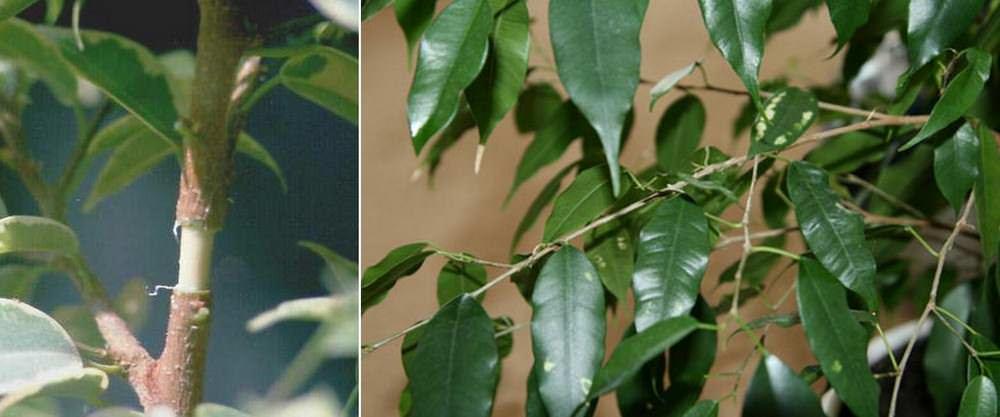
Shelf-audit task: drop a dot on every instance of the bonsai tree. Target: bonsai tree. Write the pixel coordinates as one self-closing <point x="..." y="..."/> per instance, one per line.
<point x="147" y="109"/>
<point x="894" y="190"/>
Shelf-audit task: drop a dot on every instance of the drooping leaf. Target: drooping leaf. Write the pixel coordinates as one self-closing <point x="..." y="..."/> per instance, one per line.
<point x="343" y="270"/>
<point x="457" y="363"/>
<point x="34" y="349"/>
<point x="596" y="46"/>
<point x="904" y="180"/>
<point x="787" y="14"/>
<point x="84" y="383"/>
<point x="847" y="152"/>
<point x="833" y="233"/>
<point x="539" y="203"/>
<point x="690" y="361"/>
<point x="736" y="27"/>
<point x="217" y="410"/>
<point x="934" y="24"/>
<point x="29" y="49"/>
<point x="10" y="8"/>
<point x="549" y="144"/>
<point x="668" y="82"/>
<point x="786" y="116"/>
<point x="704" y="408"/>
<point x="371" y="8"/>
<point x="130" y="160"/>
<point x="836" y="338"/>
<point x="776" y="390"/>
<point x="378" y="279"/>
<point x="979" y="399"/>
<point x="611" y="249"/>
<point x="958" y="96"/>
<point x="945" y="358"/>
<point x="36" y="234"/>
<point x="534" y="105"/>
<point x="988" y="194"/>
<point x="493" y="93"/>
<point x="457" y="278"/>
<point x="671" y="258"/>
<point x="847" y="17"/>
<point x="642" y="392"/>
<point x="533" y="406"/>
<point x="249" y="146"/>
<point x="956" y="165"/>
<point x="314" y="309"/>
<point x="679" y="133"/>
<point x="413" y="17"/>
<point x="589" y="195"/>
<point x="634" y="351"/>
<point x="126" y="71"/>
<point x="452" y="53"/>
<point x="327" y="77"/>
<point x="567" y="328"/>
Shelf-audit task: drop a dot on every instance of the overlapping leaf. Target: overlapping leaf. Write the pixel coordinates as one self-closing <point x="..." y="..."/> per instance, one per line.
<point x="786" y="116"/>
<point x="958" y="96"/>
<point x="496" y="89"/>
<point x="589" y="195"/>
<point x="549" y="144"/>
<point x="413" y="17"/>
<point x="945" y="357"/>
<point x="36" y="234"/>
<point x="847" y="17"/>
<point x="934" y="24"/>
<point x="32" y="51"/>
<point x="610" y="247"/>
<point x="327" y="77"/>
<point x="679" y="133"/>
<point x="736" y="27"/>
<point x="956" y="165"/>
<point x="457" y="278"/>
<point x="378" y="279"/>
<point x="988" y="194"/>
<point x="776" y="390"/>
<point x="10" y="8"/>
<point x="979" y="399"/>
<point x="667" y="83"/>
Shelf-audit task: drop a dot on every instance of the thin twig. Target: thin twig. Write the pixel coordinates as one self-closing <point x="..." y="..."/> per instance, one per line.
<point x="747" y="246"/>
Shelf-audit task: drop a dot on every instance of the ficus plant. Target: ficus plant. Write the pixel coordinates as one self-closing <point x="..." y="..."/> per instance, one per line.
<point x="142" y="110"/>
<point x="891" y="198"/>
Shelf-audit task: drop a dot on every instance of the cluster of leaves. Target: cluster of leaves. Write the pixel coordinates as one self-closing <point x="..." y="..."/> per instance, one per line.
<point x="858" y="200"/>
<point x="62" y="354"/>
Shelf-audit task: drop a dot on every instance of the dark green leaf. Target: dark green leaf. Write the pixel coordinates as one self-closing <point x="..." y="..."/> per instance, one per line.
<point x="452" y="53"/>
<point x="956" y="165"/>
<point x="704" y="408"/>
<point x="679" y="133"/>
<point x="18" y="281"/>
<point x="538" y="204"/>
<point x="958" y="96"/>
<point x="36" y="234"/>
<point x="249" y="146"/>
<point x="847" y="17"/>
<point x="378" y="279"/>
<point x="668" y="82"/>
<point x="640" y="393"/>
<point x="327" y="77"/>
<point x="456" y="363"/>
<point x="10" y="8"/>
<point x="130" y="160"/>
<point x="505" y="337"/>
<point x="836" y="339"/>
<point x="737" y="29"/>
<point x="567" y="329"/>
<point x="671" y="258"/>
<point x="906" y="180"/>
<point x="533" y="406"/>
<point x="690" y="362"/>
<point x="634" y="351"/>
<point x="787" y="14"/>
<point x="30" y="50"/>
<point x="496" y="89"/>
<point x="457" y="278"/>
<point x="610" y="247"/>
<point x="988" y="194"/>
<point x="847" y="152"/>
<point x="550" y="143"/>
<point x="534" y="106"/>
<point x="126" y="71"/>
<point x="833" y="233"/>
<point x="979" y="399"/>
<point x="776" y="390"/>
<point x="934" y="24"/>
<point x="945" y="358"/>
<point x="596" y="46"/>
<point x="371" y="8"/>
<point x="774" y="205"/>
<point x="413" y="17"/>
<point x="587" y="197"/>
<point x="786" y="116"/>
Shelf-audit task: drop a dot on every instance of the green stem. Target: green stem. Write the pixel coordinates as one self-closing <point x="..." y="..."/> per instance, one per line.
<point x="260" y="92"/>
<point x="776" y="251"/>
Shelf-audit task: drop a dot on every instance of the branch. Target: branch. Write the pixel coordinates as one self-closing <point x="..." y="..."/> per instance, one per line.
<point x="747" y="246"/>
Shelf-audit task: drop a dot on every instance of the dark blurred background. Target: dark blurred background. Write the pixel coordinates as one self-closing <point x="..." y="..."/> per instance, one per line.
<point x="258" y="262"/>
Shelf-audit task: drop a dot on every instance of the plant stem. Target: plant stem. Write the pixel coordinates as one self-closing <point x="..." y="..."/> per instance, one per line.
<point x="747" y="246"/>
<point x="195" y="263"/>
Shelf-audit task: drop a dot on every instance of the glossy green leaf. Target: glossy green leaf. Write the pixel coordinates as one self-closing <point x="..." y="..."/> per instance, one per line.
<point x="833" y="233"/>
<point x="534" y="106"/>
<point x="611" y="249"/>
<point x="847" y="17"/>
<point x="944" y="359"/>
<point x="413" y="17"/>
<point x="36" y="234"/>
<point x="34" y="349"/>
<point x="958" y="96"/>
<point x="704" y="408"/>
<point x="378" y="279"/>
<point x="495" y="90"/>
<point x="634" y="351"/>
<point x="327" y="77"/>
<point x="679" y="133"/>
<point x="549" y="144"/>
<point x="979" y="399"/>
<point x="596" y="46"/>
<point x="543" y="199"/>
<point x="836" y="338"/>
<point x="906" y="180"/>
<point x="10" y="8"/>
<point x="457" y="363"/>
<point x="786" y="116"/>
<point x="32" y="51"/>
<point x="956" y="165"/>
<point x="667" y="83"/>
<point x="567" y="328"/>
<point x="126" y="71"/>
<point x="671" y="259"/>
<point x="533" y="406"/>
<point x="642" y="392"/>
<point x="216" y="410"/>
<point x="249" y="146"/>
<point x="371" y="8"/>
<point x="737" y="29"/>
<point x="589" y="195"/>
<point x="776" y="390"/>
<point x="457" y="278"/>
<point x="132" y="159"/>
<point x="452" y="53"/>
<point x="690" y="362"/>
<point x="87" y="384"/>
<point x="447" y="139"/>
<point x="934" y="24"/>
<point x="787" y="14"/>
<point x="988" y="194"/>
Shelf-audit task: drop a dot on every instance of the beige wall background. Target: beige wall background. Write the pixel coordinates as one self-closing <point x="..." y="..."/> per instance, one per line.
<point x="463" y="212"/>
